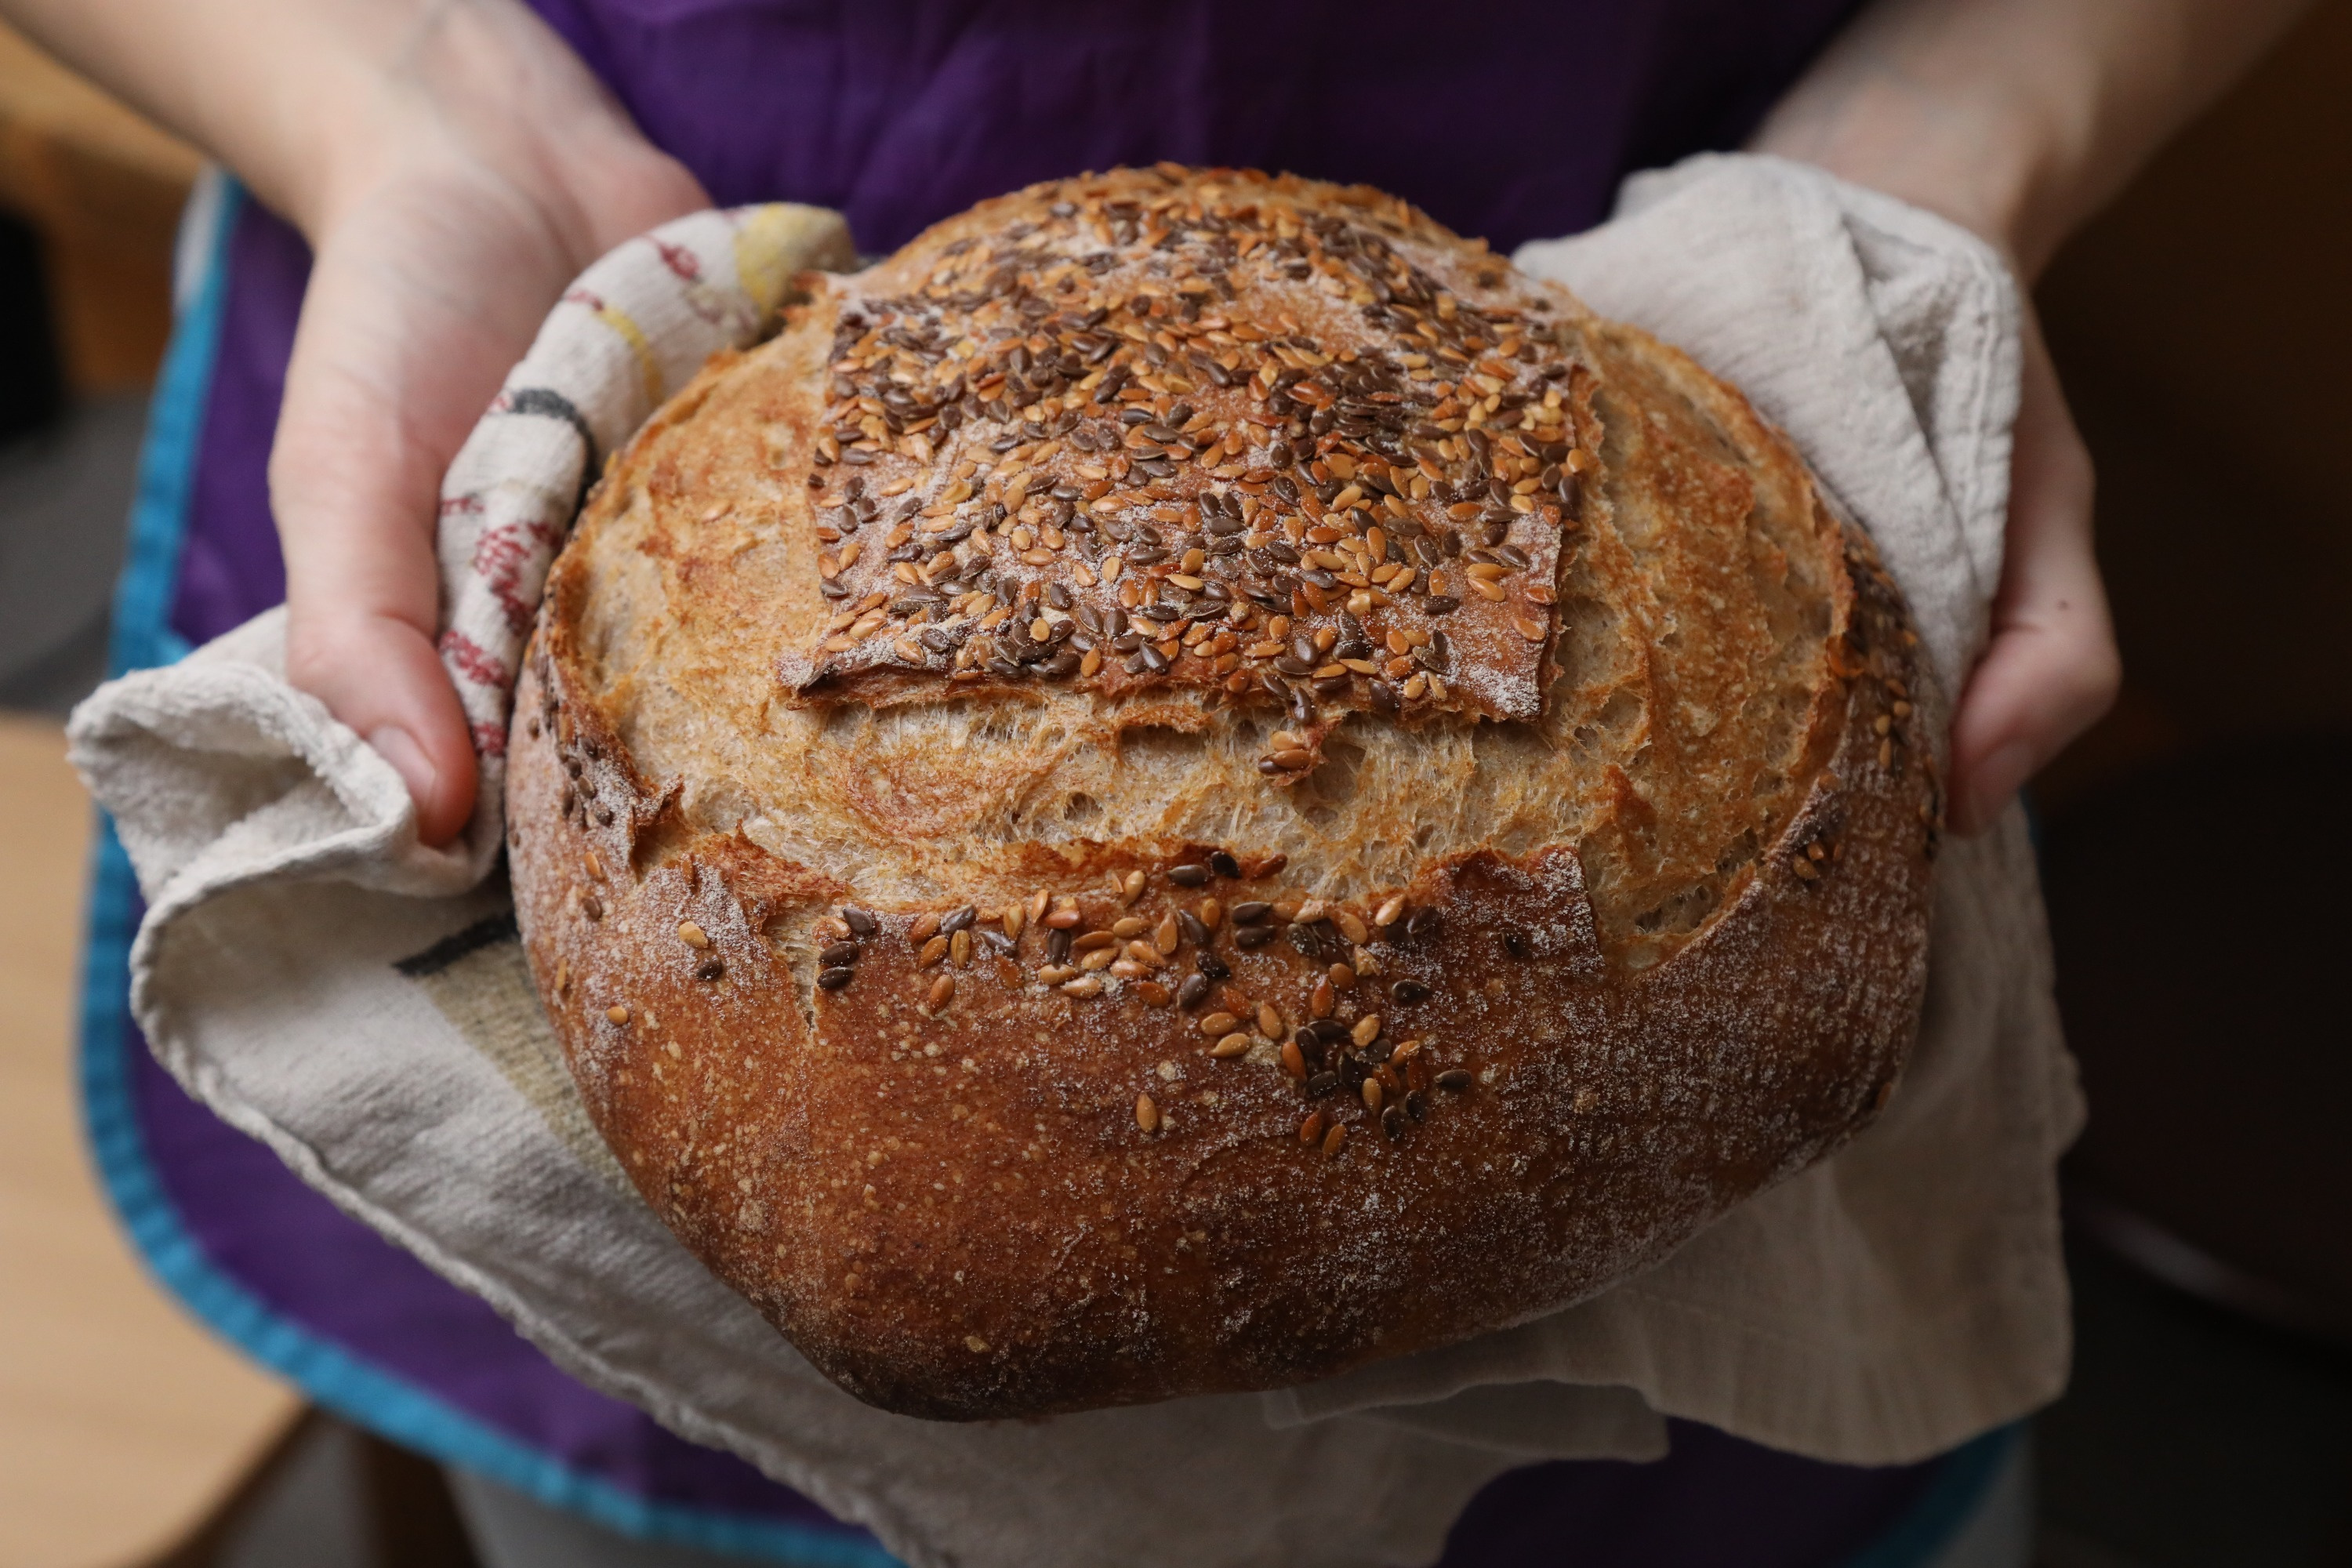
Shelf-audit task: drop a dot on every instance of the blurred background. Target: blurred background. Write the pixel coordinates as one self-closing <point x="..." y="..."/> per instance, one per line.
<point x="2192" y="846"/>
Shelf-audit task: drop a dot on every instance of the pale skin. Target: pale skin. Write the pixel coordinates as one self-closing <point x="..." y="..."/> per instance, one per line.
<point x="454" y="167"/>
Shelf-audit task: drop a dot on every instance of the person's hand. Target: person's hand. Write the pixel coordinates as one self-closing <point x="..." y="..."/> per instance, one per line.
<point x="2018" y="118"/>
<point x="425" y="290"/>
<point x="437" y="258"/>
<point x="2051" y="668"/>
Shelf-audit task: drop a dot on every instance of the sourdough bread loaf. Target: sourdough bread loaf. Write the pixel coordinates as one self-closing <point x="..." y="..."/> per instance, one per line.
<point x="1191" y="781"/>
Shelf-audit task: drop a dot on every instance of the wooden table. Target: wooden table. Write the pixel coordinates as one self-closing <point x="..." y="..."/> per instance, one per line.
<point x="122" y="1423"/>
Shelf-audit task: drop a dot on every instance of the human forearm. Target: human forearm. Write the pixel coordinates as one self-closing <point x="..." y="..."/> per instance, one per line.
<point x="2016" y="118"/>
<point x="312" y="102"/>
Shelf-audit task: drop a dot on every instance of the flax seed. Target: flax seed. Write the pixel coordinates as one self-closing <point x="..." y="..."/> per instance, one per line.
<point x="1231" y="1046"/>
<point x="1310" y="1131"/>
<point x="1146" y="1113"/>
<point x="942" y="992"/>
<point x="1334" y="1139"/>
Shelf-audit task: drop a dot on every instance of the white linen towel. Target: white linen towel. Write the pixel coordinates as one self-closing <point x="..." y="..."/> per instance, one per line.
<point x="329" y="985"/>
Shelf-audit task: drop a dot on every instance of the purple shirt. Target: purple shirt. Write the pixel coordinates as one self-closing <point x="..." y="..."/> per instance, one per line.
<point x="1509" y="121"/>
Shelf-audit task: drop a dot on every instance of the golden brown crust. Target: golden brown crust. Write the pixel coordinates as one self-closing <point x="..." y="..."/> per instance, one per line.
<point x="1607" y="972"/>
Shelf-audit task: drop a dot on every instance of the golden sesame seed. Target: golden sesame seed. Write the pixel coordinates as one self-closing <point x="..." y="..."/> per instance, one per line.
<point x="1366" y="1029"/>
<point x="1350" y="926"/>
<point x="1131" y="888"/>
<point x="1372" y="1092"/>
<point x="692" y="934"/>
<point x="1389" y="912"/>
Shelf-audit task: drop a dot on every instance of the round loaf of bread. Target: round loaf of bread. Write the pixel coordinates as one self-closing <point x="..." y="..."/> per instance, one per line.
<point x="1192" y="782"/>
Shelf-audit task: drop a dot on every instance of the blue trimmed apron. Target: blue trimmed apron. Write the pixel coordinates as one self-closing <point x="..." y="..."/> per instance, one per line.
<point x="1511" y="121"/>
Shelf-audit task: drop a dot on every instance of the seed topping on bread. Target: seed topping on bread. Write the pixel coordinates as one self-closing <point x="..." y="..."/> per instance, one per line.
<point x="1135" y="459"/>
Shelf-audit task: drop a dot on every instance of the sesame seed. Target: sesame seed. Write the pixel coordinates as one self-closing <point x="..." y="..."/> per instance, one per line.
<point x="1131" y="887"/>
<point x="1146" y="1113"/>
<point x="692" y="934"/>
<point x="1366" y="1029"/>
<point x="1388" y="913"/>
